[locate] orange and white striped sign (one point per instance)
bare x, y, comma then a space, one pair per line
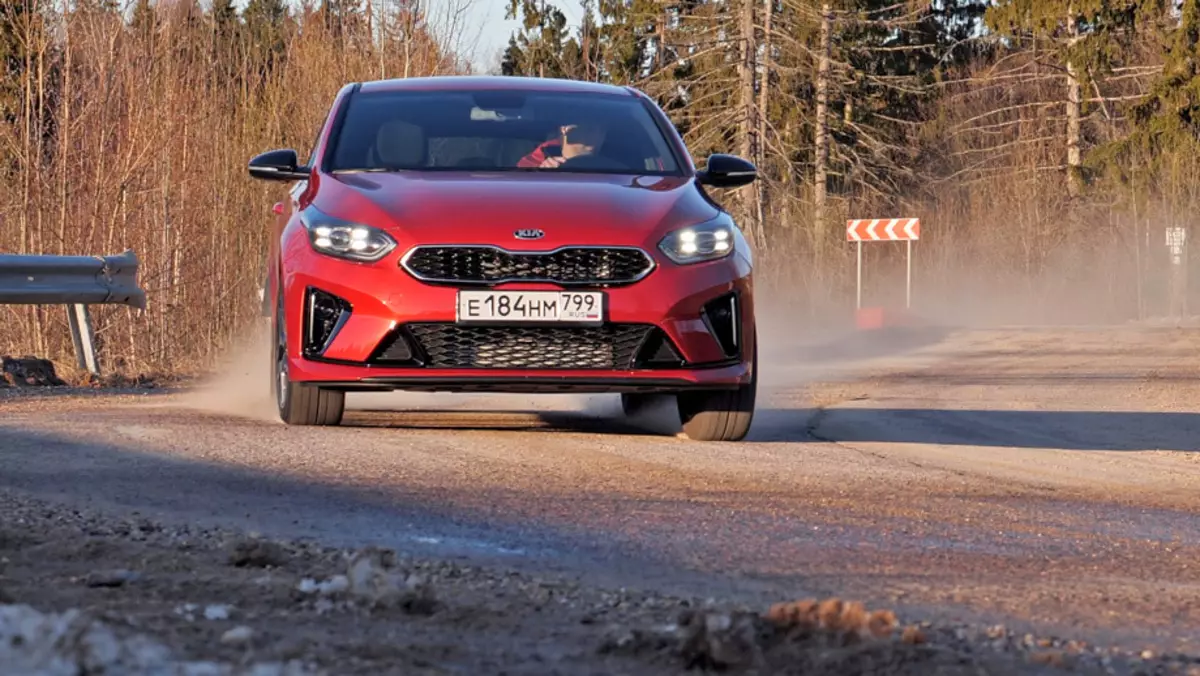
883, 229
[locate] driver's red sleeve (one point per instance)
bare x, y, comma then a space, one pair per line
538, 155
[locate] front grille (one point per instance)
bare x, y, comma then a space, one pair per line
597, 266
610, 347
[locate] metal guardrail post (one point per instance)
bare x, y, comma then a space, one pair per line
74, 281
84, 337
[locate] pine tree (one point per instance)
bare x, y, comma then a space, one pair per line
1166, 121
15, 20
264, 26
512, 63
1086, 37
344, 21
543, 46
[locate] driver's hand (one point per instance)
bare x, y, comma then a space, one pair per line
552, 161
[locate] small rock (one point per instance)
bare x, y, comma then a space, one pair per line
369, 577
255, 553
239, 635
913, 636
114, 578
1147, 654
30, 372
202, 669
216, 612
720, 640
419, 599
334, 585
1053, 658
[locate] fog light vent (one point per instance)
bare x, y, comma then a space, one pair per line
722, 316
324, 316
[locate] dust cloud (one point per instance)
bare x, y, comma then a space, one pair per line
802, 339
240, 385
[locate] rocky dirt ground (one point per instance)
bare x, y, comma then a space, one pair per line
929, 477
86, 593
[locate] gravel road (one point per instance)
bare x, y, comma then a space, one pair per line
1043, 480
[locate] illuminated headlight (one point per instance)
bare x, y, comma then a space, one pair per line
704, 242
351, 241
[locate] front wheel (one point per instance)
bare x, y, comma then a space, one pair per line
300, 403
719, 415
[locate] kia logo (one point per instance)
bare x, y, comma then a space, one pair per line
529, 233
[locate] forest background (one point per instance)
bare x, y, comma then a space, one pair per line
1046, 145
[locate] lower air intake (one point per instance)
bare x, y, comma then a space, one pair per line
324, 315
658, 352
609, 347
393, 350
722, 316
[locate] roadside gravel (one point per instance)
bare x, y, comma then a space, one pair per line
155, 599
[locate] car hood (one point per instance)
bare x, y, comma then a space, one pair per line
461, 207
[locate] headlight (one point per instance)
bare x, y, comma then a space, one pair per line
342, 239
697, 243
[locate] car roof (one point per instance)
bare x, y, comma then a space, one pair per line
501, 82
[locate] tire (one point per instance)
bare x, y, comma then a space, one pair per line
300, 403
720, 415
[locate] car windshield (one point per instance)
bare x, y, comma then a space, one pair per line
500, 130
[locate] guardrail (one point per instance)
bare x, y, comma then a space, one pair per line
74, 281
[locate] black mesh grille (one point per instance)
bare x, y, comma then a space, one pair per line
533, 347
565, 266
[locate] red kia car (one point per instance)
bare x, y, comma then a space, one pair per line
502, 234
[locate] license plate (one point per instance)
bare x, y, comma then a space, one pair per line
582, 307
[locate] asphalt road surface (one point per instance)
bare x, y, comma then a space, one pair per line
1044, 478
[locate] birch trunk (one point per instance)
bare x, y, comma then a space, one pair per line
821, 134
1074, 157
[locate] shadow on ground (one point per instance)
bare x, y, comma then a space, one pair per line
1064, 430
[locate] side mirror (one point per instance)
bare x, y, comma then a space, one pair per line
278, 165
727, 171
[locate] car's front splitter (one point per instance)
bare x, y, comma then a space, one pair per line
347, 377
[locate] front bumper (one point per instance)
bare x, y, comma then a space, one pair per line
375, 327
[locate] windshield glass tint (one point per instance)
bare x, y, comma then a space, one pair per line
501, 130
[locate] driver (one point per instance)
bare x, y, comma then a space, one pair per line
574, 140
